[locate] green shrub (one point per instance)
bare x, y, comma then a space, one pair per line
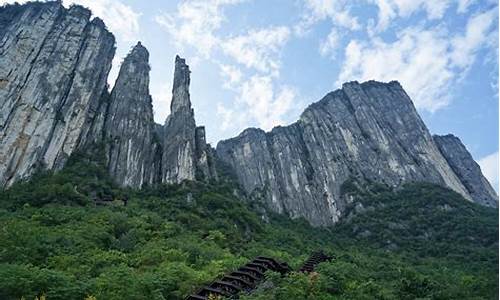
418, 242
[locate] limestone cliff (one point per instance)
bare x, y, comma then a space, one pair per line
53, 68
54, 64
466, 169
138, 150
369, 131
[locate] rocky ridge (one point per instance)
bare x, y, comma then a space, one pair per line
370, 132
466, 168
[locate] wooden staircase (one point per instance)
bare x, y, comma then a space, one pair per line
247, 277
313, 260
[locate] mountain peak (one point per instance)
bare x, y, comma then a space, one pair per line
140, 52
180, 91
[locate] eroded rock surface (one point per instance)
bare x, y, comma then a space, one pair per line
185, 152
466, 169
369, 131
54, 64
53, 68
128, 123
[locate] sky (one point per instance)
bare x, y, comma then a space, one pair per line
260, 63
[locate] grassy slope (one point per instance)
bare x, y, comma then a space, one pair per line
419, 242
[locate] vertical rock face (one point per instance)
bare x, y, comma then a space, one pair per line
129, 126
369, 131
205, 164
53, 68
54, 64
466, 169
184, 146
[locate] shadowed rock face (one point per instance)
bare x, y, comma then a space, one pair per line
53, 68
466, 169
369, 131
129, 126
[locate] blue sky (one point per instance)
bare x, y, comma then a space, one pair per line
259, 63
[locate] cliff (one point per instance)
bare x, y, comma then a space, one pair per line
370, 132
128, 123
466, 169
54, 64
53, 68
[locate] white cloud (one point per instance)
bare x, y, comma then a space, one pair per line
121, 19
337, 11
330, 44
426, 61
463, 5
258, 49
489, 167
231, 75
418, 59
476, 34
115, 69
227, 116
266, 104
195, 23
386, 13
390, 9
260, 102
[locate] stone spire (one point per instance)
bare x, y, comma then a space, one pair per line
54, 100
180, 90
185, 155
139, 54
129, 122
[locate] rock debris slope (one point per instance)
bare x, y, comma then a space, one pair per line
54, 100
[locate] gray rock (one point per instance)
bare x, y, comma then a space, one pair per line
467, 169
53, 68
369, 131
185, 152
128, 123
54, 64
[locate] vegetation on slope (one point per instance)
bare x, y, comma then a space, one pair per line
420, 241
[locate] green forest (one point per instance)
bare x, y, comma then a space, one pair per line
69, 235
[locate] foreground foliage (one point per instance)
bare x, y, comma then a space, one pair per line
421, 241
